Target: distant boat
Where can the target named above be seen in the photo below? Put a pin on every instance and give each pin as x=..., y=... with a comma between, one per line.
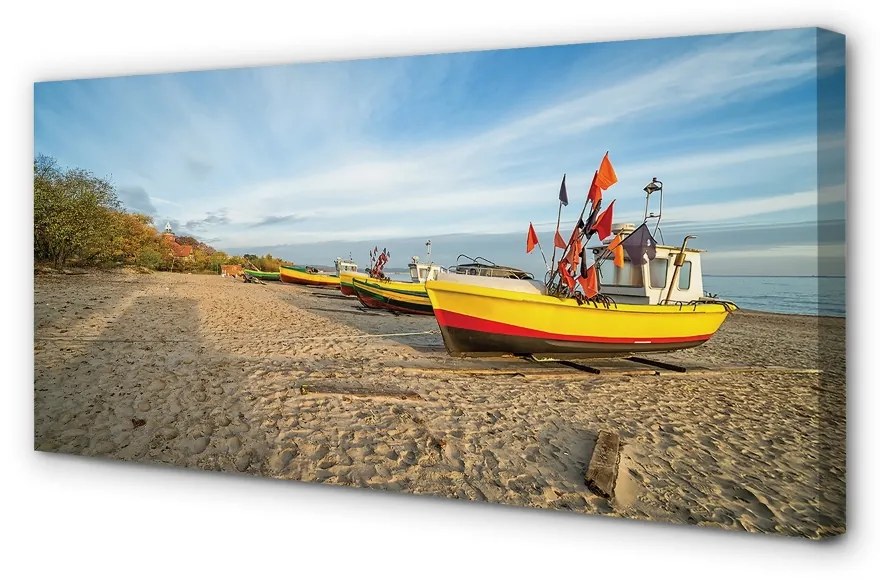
x=399, y=296
x=308, y=276
x=346, y=270
x=263, y=275
x=404, y=297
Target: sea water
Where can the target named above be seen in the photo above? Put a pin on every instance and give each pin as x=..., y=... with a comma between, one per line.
x=814, y=295
x=825, y=296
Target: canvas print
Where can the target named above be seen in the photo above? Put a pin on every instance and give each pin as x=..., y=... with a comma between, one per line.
x=602, y=278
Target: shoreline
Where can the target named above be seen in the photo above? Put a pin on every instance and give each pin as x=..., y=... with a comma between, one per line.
x=292, y=382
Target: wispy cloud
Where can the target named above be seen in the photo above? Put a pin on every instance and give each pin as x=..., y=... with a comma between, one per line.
x=136, y=199
x=273, y=220
x=213, y=218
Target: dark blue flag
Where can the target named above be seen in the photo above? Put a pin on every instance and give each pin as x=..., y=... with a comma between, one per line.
x=584, y=268
x=563, y=195
x=640, y=245
x=591, y=219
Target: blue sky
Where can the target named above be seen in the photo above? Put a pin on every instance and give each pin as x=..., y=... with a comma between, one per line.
x=311, y=161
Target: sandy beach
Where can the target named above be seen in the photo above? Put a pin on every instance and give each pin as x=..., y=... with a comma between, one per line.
x=296, y=383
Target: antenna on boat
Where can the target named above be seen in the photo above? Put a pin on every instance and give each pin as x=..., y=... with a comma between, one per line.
x=428, y=255
x=653, y=187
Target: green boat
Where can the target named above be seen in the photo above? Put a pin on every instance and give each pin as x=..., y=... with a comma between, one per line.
x=263, y=275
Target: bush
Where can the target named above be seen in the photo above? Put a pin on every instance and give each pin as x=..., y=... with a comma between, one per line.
x=150, y=258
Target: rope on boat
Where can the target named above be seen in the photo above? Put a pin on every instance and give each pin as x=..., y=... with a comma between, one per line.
x=187, y=340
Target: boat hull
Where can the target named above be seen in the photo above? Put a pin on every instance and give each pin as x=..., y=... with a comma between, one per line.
x=274, y=276
x=479, y=321
x=403, y=297
x=345, y=284
x=295, y=276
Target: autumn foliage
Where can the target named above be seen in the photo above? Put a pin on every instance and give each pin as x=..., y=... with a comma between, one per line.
x=78, y=220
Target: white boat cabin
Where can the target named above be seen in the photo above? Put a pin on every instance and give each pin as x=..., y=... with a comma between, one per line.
x=345, y=266
x=421, y=273
x=672, y=276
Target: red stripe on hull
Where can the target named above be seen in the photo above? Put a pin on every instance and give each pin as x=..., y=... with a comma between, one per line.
x=465, y=322
x=347, y=290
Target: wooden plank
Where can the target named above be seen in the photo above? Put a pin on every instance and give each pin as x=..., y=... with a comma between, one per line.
x=602, y=472
x=657, y=363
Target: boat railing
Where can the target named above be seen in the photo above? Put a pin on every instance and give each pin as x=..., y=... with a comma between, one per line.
x=476, y=260
x=481, y=266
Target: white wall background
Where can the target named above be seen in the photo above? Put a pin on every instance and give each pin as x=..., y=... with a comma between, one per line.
x=73, y=516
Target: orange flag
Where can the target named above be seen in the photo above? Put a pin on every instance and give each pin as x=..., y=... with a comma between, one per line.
x=575, y=234
x=558, y=241
x=590, y=284
x=595, y=194
x=616, y=249
x=566, y=277
x=606, y=177
x=574, y=253
x=531, y=239
x=603, y=222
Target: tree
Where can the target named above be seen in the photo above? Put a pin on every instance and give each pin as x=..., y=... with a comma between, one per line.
x=73, y=212
x=131, y=234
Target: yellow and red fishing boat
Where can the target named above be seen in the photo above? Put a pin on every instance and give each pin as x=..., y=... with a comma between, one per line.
x=480, y=321
x=648, y=299
x=307, y=276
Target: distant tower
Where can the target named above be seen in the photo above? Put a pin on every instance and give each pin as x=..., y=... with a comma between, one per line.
x=168, y=234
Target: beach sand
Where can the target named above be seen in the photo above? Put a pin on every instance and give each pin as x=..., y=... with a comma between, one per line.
x=291, y=382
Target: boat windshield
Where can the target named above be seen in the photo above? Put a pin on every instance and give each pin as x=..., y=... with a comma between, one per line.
x=629, y=276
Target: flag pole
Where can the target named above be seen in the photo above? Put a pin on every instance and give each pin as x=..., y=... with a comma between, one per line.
x=558, y=219
x=562, y=194
x=543, y=256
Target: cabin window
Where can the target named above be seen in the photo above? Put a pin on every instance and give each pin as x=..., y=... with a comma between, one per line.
x=629, y=275
x=659, y=268
x=684, y=276
x=414, y=272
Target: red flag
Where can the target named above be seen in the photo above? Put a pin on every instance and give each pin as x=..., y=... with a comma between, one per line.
x=531, y=239
x=616, y=249
x=590, y=284
x=558, y=241
x=595, y=193
x=605, y=177
x=603, y=222
x=566, y=277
